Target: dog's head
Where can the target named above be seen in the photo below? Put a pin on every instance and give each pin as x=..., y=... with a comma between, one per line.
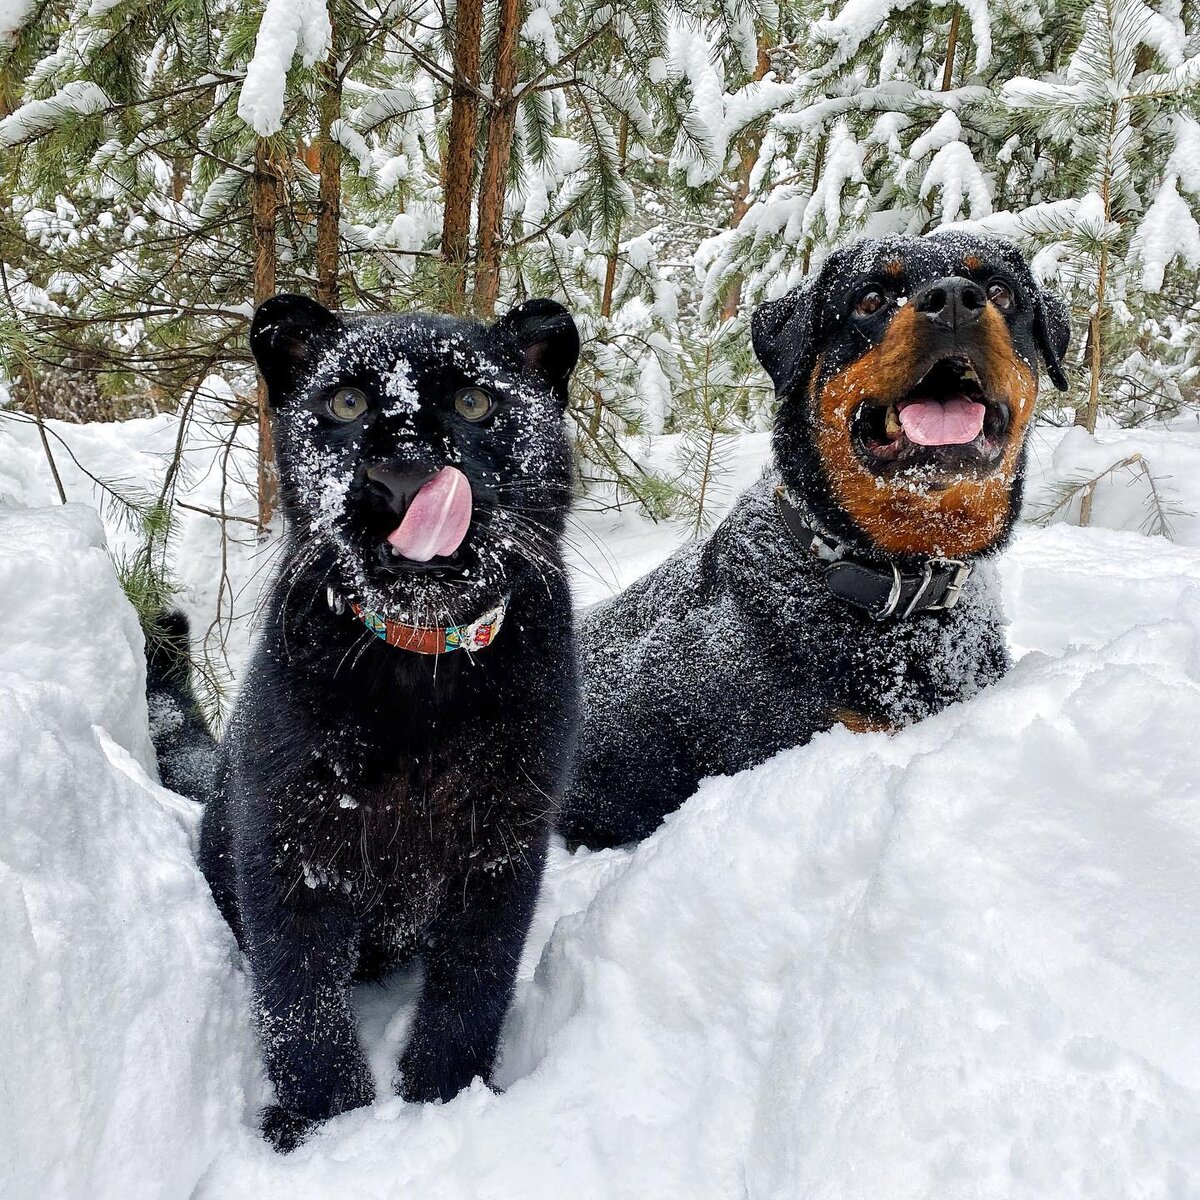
x=428, y=453
x=907, y=373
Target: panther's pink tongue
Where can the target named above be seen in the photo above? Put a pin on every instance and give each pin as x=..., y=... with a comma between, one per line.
x=437, y=518
x=937, y=423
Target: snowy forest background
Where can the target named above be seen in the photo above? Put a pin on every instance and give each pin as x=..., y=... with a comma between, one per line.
x=959, y=961
x=661, y=167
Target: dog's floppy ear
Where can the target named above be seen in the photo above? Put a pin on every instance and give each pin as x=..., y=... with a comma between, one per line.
x=778, y=352
x=544, y=333
x=784, y=331
x=1052, y=324
x=283, y=337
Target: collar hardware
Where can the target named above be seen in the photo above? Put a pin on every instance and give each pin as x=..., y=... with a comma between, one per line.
x=881, y=593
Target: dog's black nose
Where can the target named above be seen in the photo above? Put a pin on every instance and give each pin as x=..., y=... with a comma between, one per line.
x=392, y=488
x=952, y=302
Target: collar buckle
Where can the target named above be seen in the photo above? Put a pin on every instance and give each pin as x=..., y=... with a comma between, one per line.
x=953, y=592
x=948, y=574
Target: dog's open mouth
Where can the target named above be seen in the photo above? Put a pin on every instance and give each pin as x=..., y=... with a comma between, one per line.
x=947, y=422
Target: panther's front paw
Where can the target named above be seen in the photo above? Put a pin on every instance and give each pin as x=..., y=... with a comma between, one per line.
x=285, y=1130
x=417, y=1086
x=428, y=1073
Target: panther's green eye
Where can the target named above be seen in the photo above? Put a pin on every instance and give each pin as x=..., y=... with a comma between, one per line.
x=346, y=404
x=472, y=403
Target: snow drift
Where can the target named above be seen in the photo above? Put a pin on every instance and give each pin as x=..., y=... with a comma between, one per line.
x=122, y=1022
x=957, y=962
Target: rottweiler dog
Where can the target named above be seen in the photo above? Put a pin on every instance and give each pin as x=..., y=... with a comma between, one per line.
x=852, y=583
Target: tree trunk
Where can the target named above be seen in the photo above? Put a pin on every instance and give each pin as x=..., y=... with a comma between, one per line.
x=329, y=194
x=951, y=50
x=502, y=125
x=610, y=278
x=265, y=208
x=748, y=150
x=459, y=162
x=1087, y=416
x=610, y=267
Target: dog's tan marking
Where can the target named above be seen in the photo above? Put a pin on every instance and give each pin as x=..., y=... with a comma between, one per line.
x=971, y=263
x=960, y=519
x=856, y=722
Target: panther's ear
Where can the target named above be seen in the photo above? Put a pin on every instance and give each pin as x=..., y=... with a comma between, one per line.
x=784, y=331
x=1052, y=325
x=544, y=334
x=283, y=339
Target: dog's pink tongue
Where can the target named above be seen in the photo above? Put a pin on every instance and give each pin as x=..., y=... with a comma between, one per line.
x=934, y=423
x=437, y=518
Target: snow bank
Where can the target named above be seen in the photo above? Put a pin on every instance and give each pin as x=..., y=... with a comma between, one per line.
x=1163, y=480
x=956, y=962
x=66, y=619
x=998, y=1004
x=122, y=1024
x=132, y=456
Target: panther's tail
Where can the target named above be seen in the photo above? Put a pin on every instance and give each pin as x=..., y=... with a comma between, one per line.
x=185, y=746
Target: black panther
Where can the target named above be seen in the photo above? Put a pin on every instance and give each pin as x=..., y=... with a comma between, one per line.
x=385, y=788
x=851, y=584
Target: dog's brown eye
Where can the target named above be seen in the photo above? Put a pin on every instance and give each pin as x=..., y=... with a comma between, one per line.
x=473, y=404
x=1000, y=294
x=871, y=301
x=347, y=404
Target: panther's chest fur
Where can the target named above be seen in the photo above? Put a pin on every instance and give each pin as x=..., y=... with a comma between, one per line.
x=391, y=837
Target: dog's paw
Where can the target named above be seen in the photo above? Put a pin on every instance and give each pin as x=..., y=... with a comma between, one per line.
x=285, y=1130
x=427, y=1077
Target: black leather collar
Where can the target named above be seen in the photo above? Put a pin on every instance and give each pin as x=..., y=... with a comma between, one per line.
x=881, y=593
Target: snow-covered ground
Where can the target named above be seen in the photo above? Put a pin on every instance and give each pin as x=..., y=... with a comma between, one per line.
x=957, y=962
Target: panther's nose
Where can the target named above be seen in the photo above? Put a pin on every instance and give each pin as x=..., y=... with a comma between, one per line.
x=392, y=488
x=953, y=302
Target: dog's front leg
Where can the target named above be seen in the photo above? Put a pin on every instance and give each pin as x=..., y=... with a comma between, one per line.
x=470, y=970
x=302, y=950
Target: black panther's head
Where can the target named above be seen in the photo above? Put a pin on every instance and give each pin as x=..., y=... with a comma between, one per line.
x=907, y=373
x=428, y=453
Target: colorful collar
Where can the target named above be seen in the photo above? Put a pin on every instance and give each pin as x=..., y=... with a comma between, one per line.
x=427, y=639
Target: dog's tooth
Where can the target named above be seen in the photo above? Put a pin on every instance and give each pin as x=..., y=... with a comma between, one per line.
x=891, y=423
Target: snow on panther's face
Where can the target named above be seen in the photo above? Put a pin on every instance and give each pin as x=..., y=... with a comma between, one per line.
x=428, y=452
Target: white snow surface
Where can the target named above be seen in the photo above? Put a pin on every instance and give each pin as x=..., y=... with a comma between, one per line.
x=957, y=962
x=125, y=1040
